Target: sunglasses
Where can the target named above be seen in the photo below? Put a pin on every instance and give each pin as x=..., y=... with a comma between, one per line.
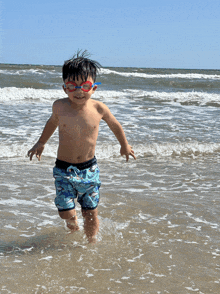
x=85, y=86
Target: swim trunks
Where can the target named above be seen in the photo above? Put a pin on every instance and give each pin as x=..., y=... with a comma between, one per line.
x=76, y=181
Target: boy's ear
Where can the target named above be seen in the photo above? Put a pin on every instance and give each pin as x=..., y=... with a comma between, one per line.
x=94, y=88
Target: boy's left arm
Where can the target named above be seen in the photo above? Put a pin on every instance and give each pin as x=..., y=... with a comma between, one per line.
x=117, y=129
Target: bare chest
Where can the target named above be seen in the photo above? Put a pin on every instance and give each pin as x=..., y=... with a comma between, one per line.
x=85, y=124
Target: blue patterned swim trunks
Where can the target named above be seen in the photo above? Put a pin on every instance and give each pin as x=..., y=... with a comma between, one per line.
x=76, y=181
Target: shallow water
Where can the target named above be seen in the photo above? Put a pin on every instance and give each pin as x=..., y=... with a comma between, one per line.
x=158, y=237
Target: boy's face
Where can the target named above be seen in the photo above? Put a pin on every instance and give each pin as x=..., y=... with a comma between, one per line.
x=78, y=96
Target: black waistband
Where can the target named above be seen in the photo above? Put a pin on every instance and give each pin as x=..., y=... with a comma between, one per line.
x=64, y=165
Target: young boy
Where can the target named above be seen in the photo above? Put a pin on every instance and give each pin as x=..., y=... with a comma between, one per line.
x=76, y=171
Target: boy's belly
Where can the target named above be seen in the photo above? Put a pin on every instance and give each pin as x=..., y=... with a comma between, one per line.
x=76, y=153
x=77, y=146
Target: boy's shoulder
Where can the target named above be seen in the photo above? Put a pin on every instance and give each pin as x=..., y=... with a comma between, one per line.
x=60, y=101
x=59, y=105
x=100, y=106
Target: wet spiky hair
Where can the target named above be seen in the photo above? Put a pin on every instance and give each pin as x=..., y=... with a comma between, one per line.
x=80, y=66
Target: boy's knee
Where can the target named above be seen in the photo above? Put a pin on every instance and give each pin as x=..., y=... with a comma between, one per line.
x=89, y=214
x=67, y=214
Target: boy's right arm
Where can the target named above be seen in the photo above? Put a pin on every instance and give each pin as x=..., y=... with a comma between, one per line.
x=48, y=131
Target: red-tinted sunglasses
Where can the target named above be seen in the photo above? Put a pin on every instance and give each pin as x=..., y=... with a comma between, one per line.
x=85, y=86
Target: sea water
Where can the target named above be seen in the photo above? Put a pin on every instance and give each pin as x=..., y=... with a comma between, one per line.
x=159, y=215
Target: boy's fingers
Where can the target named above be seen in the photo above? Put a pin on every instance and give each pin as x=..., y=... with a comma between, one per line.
x=31, y=156
x=38, y=155
x=132, y=153
x=128, y=154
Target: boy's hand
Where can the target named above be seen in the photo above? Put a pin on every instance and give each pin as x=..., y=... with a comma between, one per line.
x=127, y=150
x=37, y=149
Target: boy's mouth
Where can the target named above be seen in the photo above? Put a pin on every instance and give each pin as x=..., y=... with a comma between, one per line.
x=77, y=97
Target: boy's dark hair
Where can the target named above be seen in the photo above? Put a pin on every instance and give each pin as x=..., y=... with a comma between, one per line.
x=80, y=66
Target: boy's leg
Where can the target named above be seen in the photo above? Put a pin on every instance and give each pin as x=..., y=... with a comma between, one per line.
x=91, y=223
x=70, y=218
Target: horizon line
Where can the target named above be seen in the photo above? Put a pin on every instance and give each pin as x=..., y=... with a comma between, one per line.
x=177, y=68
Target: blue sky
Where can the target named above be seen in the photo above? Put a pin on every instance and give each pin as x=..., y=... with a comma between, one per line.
x=138, y=33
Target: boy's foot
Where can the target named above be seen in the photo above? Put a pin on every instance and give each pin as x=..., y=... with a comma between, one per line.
x=92, y=240
x=72, y=224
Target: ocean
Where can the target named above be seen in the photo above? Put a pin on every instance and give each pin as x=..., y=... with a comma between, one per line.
x=159, y=215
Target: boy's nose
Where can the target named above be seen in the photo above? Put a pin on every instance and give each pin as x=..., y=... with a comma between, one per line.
x=78, y=89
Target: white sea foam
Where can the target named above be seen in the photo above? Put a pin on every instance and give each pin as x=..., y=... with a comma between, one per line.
x=201, y=220
x=111, y=151
x=200, y=98
x=104, y=71
x=32, y=71
x=193, y=97
x=191, y=150
x=30, y=95
x=14, y=94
